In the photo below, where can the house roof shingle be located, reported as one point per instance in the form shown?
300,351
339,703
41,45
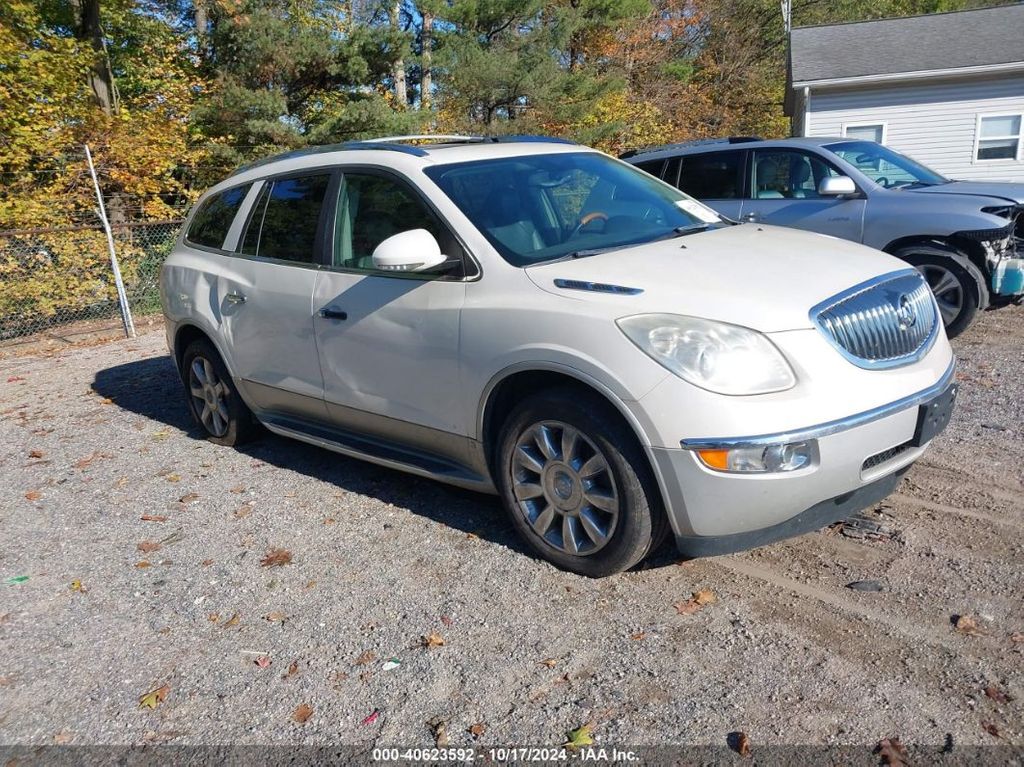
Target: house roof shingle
980,37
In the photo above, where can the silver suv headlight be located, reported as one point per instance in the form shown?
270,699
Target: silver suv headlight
717,356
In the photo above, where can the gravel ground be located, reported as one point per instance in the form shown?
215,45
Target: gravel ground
142,546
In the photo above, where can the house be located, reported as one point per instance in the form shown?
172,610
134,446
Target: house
946,88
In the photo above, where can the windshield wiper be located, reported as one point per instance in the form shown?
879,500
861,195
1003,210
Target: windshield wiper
575,254
682,231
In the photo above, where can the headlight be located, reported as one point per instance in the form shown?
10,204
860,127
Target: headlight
717,356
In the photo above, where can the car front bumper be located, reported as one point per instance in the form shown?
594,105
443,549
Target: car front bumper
859,461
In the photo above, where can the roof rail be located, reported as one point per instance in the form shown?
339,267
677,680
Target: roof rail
695,142
396,144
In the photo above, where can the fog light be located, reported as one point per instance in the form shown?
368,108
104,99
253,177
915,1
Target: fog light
761,459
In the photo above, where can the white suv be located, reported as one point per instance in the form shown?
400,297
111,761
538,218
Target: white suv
534,318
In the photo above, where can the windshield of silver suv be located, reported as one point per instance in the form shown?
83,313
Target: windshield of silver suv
552,206
884,166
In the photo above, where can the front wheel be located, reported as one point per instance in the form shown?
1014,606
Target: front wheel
576,484
958,286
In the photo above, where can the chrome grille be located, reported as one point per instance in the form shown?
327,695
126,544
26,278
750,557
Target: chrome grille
889,321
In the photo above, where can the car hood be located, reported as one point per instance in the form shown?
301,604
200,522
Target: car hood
1001,190
761,277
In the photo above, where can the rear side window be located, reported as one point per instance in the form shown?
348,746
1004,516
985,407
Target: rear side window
714,176
211,222
285,219
652,166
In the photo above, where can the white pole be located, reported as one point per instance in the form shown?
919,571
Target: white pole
122,297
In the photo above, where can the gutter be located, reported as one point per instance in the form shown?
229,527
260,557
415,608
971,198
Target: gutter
924,74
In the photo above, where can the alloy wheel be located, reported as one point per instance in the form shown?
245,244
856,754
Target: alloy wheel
949,293
564,487
209,396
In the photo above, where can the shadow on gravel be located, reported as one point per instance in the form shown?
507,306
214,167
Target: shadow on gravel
151,388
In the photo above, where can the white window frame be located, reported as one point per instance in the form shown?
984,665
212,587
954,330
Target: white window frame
978,139
884,125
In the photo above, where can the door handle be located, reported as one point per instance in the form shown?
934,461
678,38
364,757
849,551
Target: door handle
329,313
235,298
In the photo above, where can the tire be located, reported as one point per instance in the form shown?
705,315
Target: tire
562,449
231,422
959,286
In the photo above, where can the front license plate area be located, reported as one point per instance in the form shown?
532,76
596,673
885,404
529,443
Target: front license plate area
933,416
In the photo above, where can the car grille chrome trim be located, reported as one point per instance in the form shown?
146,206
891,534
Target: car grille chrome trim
883,323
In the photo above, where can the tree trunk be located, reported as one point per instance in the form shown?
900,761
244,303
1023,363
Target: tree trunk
101,78
398,68
202,22
426,76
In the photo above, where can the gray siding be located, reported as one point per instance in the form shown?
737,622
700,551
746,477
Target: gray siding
934,123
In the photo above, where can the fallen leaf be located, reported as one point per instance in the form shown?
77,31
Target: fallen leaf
742,744
276,558
965,624
76,585
84,463
1017,637
33,495
310,585
161,435
704,597
478,729
173,478
276,617
329,521
189,498
372,717
472,536
243,511
143,564
999,696
891,752
62,738
689,607
367,657
640,635
153,518
147,547
433,639
213,617
302,712
154,698
439,729
581,736
293,669
263,661
549,662
207,562
35,453
991,729
237,489
232,621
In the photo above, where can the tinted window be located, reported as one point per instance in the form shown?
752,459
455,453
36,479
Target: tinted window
652,166
211,222
784,174
285,218
714,176
372,208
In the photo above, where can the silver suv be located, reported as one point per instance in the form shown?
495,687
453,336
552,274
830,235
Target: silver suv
536,319
967,238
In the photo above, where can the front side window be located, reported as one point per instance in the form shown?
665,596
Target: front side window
884,166
211,222
373,207
783,174
548,206
285,219
713,176
999,137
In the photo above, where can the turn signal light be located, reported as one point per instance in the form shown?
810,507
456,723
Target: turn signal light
761,459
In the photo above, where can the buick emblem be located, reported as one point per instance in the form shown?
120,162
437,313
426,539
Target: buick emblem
905,313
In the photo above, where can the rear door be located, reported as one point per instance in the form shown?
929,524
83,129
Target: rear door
783,191
714,178
267,304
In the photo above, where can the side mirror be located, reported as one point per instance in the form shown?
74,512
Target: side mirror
836,186
415,250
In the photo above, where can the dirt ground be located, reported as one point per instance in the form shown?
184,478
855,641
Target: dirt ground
137,558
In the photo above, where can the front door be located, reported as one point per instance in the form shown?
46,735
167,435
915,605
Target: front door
389,342
784,192
267,304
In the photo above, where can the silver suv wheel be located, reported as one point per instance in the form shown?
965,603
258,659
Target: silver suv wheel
564,488
949,293
209,396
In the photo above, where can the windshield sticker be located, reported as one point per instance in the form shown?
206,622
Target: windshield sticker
697,210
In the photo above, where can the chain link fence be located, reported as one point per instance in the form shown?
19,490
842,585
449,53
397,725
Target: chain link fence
52,277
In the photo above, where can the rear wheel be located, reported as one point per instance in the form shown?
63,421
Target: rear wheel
958,286
212,398
577,485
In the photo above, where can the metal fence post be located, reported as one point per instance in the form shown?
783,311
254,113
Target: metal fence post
122,296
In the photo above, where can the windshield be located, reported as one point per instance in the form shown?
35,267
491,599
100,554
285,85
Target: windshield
884,166
548,206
